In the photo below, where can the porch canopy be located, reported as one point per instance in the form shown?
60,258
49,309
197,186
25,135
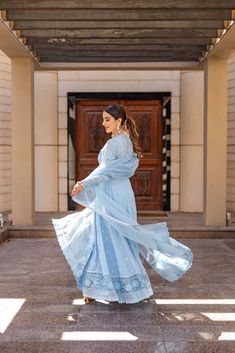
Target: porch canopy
119,35
110,33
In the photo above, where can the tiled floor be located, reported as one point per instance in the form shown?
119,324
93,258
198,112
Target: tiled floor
42,311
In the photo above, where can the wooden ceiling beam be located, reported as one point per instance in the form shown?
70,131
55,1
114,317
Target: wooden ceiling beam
120,47
118,41
117,4
121,14
154,30
156,65
121,33
64,24
114,59
118,54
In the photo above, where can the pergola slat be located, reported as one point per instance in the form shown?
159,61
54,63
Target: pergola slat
202,24
117,4
114,30
121,47
118,41
116,59
122,14
118,54
114,33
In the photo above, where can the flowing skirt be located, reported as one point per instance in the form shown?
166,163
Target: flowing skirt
105,263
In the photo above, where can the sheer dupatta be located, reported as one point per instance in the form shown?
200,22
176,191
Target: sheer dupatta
168,257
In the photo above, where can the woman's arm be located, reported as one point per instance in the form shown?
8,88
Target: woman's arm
109,152
78,187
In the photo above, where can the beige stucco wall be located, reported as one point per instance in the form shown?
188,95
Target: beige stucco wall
191,141
5,133
231,136
46,149
51,142
46,137
120,81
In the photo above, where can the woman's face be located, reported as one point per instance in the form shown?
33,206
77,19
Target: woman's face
109,123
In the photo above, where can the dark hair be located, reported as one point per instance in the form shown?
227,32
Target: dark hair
128,124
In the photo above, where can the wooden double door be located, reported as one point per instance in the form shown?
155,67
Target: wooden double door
91,136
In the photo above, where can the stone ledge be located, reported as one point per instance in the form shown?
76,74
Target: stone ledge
175,232
3,235
202,234
31,232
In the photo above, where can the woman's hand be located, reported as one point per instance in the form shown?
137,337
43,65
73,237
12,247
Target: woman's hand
78,187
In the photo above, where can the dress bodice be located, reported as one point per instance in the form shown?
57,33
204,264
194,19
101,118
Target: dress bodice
116,147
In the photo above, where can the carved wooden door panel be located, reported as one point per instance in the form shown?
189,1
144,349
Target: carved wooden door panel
147,181
91,136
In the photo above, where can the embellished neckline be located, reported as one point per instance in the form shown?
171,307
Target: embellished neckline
120,133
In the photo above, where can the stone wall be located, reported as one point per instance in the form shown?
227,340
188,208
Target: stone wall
5,133
51,135
46,138
191,141
231,137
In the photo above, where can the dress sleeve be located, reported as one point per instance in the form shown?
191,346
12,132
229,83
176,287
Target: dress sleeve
110,151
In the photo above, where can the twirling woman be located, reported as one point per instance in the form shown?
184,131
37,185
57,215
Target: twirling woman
103,243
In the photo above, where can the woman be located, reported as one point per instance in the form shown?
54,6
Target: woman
103,243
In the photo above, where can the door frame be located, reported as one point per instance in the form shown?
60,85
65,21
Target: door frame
165,97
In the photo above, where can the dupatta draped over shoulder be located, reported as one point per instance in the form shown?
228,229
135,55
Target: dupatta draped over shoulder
168,257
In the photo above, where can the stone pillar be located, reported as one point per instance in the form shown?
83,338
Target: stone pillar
215,142
23,189
191,142
46,144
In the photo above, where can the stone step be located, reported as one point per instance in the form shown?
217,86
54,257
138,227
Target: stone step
175,232
150,213
3,235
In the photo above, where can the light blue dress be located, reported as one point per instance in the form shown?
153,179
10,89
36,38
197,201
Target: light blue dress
103,243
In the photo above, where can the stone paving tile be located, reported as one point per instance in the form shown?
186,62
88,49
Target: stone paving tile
19,334
41,297
50,308
225,289
211,347
142,333
190,318
222,278
35,347
118,347
105,319
12,279
193,333
146,306
196,308
36,270
182,287
55,279
42,319
230,243
179,347
188,295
